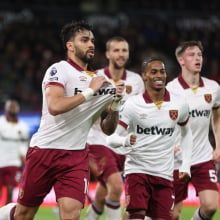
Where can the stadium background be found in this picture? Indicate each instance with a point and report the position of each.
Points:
(29, 39)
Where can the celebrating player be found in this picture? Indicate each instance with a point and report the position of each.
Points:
(203, 97)
(146, 129)
(73, 98)
(105, 163)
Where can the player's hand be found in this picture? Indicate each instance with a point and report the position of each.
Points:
(133, 138)
(120, 86)
(115, 106)
(184, 176)
(130, 139)
(97, 82)
(216, 155)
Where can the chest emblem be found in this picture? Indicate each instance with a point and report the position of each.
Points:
(173, 114)
(208, 97)
(128, 89)
(83, 78)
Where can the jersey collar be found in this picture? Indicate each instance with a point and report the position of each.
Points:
(147, 98)
(185, 85)
(107, 73)
(72, 63)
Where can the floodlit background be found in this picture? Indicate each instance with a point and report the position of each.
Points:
(29, 39)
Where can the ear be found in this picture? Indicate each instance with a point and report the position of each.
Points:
(144, 76)
(107, 54)
(69, 45)
(180, 61)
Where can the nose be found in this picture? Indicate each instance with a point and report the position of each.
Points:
(91, 44)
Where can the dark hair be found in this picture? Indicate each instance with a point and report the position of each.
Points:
(149, 60)
(69, 30)
(115, 38)
(184, 45)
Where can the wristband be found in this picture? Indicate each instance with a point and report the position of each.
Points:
(88, 93)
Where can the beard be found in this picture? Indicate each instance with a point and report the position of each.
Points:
(83, 56)
(12, 114)
(117, 67)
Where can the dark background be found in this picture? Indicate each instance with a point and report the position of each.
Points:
(29, 37)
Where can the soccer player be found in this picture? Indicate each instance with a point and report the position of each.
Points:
(203, 97)
(14, 137)
(146, 129)
(105, 163)
(73, 98)
(109, 188)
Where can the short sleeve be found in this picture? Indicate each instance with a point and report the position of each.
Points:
(184, 114)
(54, 76)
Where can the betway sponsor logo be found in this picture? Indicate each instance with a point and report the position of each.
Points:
(200, 113)
(100, 92)
(155, 131)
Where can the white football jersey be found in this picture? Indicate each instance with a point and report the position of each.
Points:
(153, 153)
(14, 138)
(69, 130)
(133, 85)
(201, 102)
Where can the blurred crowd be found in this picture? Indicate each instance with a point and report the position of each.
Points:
(29, 38)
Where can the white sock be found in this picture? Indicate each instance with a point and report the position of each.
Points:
(5, 211)
(93, 212)
(199, 215)
(147, 218)
(112, 210)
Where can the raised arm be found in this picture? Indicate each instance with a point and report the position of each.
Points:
(109, 117)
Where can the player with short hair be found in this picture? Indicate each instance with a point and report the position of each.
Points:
(105, 163)
(73, 98)
(203, 97)
(146, 129)
(14, 140)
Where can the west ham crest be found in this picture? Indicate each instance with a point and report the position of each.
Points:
(208, 97)
(173, 114)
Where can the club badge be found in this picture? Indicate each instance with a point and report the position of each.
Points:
(208, 97)
(173, 114)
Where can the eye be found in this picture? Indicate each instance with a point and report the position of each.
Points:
(163, 71)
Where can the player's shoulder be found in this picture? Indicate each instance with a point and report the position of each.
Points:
(2, 117)
(60, 64)
(57, 66)
(133, 74)
(177, 98)
(173, 83)
(23, 124)
(210, 83)
(100, 71)
(135, 98)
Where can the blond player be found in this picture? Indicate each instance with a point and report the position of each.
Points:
(203, 97)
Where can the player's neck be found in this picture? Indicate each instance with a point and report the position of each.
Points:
(192, 79)
(12, 119)
(116, 74)
(156, 95)
(78, 61)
